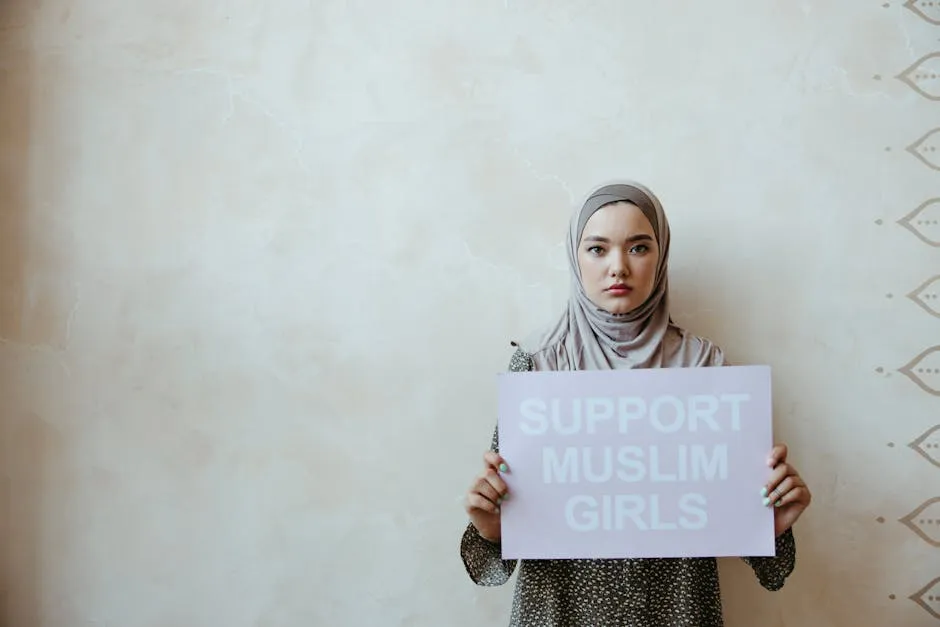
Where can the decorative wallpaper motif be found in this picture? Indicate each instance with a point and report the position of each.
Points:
(928, 445)
(925, 148)
(927, 296)
(924, 222)
(925, 521)
(924, 370)
(923, 76)
(928, 598)
(929, 10)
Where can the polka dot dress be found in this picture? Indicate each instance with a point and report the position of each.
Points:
(609, 593)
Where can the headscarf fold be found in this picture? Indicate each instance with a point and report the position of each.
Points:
(586, 337)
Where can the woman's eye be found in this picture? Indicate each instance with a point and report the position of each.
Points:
(595, 250)
(639, 248)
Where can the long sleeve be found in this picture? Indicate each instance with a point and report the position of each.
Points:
(772, 572)
(482, 558)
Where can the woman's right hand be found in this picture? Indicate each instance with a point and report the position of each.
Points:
(485, 496)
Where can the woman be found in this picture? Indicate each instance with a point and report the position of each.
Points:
(618, 317)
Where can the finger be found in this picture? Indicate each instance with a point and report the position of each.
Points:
(476, 501)
(486, 489)
(796, 495)
(782, 489)
(806, 494)
(796, 478)
(496, 482)
(494, 459)
(778, 455)
(776, 476)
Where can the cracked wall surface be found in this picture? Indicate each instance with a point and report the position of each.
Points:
(260, 262)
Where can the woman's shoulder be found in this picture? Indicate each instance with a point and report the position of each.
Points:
(695, 350)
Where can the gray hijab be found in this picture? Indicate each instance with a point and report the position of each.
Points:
(588, 338)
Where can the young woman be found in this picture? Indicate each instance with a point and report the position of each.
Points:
(618, 317)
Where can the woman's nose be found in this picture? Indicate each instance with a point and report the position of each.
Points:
(618, 266)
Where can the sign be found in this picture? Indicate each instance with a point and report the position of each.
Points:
(665, 462)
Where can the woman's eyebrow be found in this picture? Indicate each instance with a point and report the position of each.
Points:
(633, 238)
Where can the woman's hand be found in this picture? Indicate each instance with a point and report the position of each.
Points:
(785, 491)
(486, 494)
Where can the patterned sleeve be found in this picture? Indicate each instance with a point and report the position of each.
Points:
(482, 558)
(772, 572)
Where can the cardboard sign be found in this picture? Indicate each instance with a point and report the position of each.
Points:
(636, 463)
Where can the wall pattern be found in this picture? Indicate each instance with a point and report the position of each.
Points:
(929, 10)
(923, 77)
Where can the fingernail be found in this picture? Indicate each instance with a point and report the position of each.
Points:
(499, 500)
(778, 503)
(763, 491)
(766, 502)
(505, 497)
(503, 468)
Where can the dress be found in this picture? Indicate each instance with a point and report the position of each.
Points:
(613, 593)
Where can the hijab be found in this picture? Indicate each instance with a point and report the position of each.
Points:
(586, 337)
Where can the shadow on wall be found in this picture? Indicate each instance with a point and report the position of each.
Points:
(21, 448)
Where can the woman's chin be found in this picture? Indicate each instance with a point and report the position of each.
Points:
(617, 306)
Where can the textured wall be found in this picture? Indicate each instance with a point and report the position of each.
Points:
(259, 262)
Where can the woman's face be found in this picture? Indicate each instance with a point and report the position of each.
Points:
(617, 256)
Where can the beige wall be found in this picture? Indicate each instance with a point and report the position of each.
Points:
(259, 262)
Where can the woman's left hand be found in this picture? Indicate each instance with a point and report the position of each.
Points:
(785, 491)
